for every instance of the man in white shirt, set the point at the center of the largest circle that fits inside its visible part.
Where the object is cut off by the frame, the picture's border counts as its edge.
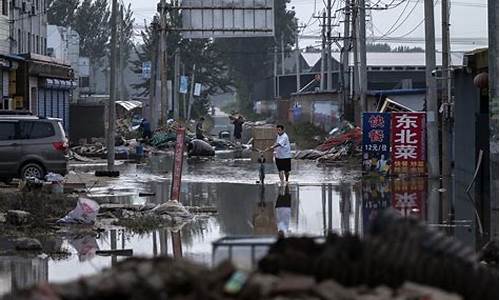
(283, 154)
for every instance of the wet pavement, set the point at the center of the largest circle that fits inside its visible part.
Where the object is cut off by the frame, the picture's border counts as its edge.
(317, 200)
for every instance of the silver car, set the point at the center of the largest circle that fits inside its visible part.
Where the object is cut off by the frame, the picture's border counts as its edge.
(31, 146)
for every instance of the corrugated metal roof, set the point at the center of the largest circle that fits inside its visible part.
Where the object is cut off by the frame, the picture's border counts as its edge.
(388, 58)
(129, 105)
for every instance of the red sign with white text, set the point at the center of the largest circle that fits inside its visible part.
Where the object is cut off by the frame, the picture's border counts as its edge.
(175, 192)
(408, 143)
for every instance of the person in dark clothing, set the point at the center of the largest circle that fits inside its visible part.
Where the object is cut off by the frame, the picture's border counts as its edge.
(199, 129)
(238, 128)
(146, 129)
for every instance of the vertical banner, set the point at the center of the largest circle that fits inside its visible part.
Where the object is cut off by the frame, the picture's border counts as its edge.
(376, 143)
(409, 196)
(178, 160)
(408, 143)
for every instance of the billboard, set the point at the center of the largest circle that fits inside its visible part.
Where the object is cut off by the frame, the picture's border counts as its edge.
(408, 143)
(376, 143)
(227, 18)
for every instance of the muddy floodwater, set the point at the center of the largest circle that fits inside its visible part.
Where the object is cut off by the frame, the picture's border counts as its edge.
(316, 201)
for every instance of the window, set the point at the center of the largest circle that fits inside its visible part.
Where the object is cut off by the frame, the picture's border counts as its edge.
(5, 7)
(7, 131)
(29, 42)
(37, 44)
(34, 43)
(84, 82)
(19, 41)
(36, 130)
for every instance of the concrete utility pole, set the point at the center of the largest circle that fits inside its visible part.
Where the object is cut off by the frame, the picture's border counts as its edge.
(282, 55)
(323, 52)
(297, 57)
(119, 74)
(346, 49)
(110, 143)
(177, 70)
(354, 35)
(153, 112)
(432, 107)
(493, 90)
(363, 76)
(275, 70)
(446, 99)
(329, 79)
(163, 61)
(191, 93)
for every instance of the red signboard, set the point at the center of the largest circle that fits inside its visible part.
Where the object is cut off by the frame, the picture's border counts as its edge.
(409, 195)
(408, 143)
(178, 159)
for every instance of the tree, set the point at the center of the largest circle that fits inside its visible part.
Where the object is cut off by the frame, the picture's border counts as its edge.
(251, 59)
(378, 47)
(62, 12)
(408, 49)
(92, 23)
(211, 70)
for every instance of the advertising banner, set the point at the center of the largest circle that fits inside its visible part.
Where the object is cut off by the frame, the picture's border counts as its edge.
(376, 143)
(408, 143)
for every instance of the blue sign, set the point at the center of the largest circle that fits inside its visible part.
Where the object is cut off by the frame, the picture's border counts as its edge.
(146, 70)
(183, 89)
(376, 143)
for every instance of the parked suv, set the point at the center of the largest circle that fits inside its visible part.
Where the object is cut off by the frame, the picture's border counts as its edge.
(31, 146)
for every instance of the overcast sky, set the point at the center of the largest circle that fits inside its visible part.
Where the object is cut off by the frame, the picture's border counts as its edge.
(468, 18)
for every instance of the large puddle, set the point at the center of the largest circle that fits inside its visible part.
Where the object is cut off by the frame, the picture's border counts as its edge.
(318, 200)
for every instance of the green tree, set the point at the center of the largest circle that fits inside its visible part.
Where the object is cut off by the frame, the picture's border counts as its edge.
(211, 69)
(62, 12)
(378, 47)
(408, 49)
(92, 23)
(126, 33)
(251, 59)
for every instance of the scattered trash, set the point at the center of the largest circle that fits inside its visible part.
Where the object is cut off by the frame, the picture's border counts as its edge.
(18, 217)
(56, 181)
(85, 212)
(27, 244)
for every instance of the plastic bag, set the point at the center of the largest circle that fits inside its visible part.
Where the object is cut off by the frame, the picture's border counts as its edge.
(85, 212)
(54, 177)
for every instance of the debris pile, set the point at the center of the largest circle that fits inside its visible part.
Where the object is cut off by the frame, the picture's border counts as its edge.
(343, 142)
(395, 251)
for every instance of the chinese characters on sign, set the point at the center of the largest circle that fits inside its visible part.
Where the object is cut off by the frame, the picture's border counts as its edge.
(376, 143)
(178, 160)
(408, 197)
(408, 143)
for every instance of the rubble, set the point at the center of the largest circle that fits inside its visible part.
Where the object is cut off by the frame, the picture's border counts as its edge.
(18, 217)
(343, 143)
(27, 244)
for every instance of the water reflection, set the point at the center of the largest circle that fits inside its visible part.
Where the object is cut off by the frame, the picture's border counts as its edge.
(248, 210)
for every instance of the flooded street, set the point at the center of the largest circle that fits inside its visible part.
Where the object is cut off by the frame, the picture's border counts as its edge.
(318, 200)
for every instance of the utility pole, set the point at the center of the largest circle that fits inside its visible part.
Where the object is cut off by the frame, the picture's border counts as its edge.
(163, 61)
(297, 57)
(191, 93)
(275, 70)
(282, 55)
(110, 143)
(363, 76)
(430, 61)
(323, 52)
(445, 104)
(345, 58)
(153, 112)
(329, 79)
(493, 90)
(177, 69)
(119, 74)
(354, 35)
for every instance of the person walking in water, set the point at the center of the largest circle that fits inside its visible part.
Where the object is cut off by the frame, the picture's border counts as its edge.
(283, 154)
